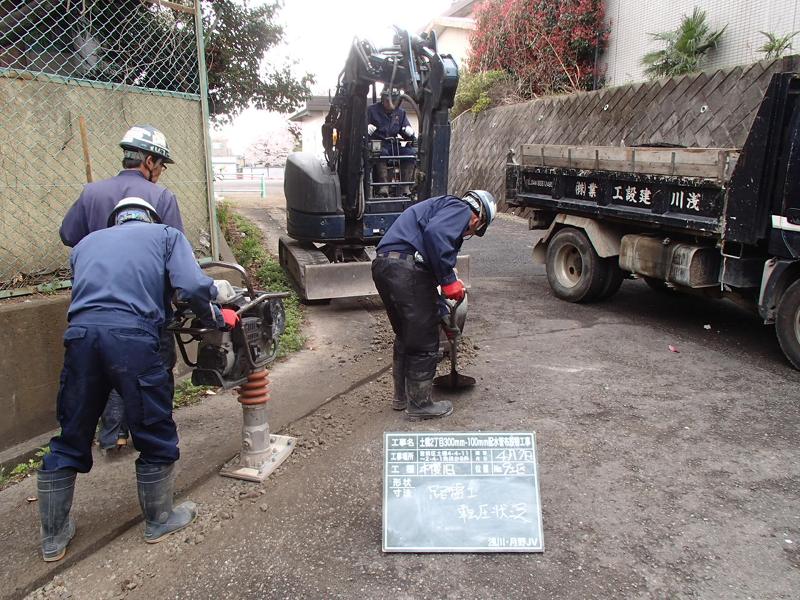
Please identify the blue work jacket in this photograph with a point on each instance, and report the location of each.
(124, 276)
(97, 200)
(435, 228)
(388, 125)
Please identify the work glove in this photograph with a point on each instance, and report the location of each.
(371, 129)
(454, 291)
(230, 317)
(408, 131)
(225, 291)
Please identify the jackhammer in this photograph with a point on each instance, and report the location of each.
(237, 359)
(453, 328)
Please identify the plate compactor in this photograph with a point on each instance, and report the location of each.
(238, 358)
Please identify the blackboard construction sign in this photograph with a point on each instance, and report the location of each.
(461, 492)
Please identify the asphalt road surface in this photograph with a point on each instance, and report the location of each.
(662, 474)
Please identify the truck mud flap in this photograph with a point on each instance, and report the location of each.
(605, 239)
(318, 279)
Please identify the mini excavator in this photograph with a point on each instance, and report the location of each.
(334, 212)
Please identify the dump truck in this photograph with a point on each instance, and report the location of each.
(722, 222)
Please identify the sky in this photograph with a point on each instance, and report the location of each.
(318, 35)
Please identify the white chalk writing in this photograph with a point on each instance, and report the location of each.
(517, 511)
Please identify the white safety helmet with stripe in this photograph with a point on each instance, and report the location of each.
(482, 204)
(133, 209)
(147, 139)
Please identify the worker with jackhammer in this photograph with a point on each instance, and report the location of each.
(416, 254)
(123, 279)
(146, 155)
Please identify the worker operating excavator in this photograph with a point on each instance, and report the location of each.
(389, 123)
(337, 209)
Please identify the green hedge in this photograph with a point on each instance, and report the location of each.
(478, 91)
(247, 244)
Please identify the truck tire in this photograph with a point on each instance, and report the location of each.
(787, 324)
(613, 278)
(574, 270)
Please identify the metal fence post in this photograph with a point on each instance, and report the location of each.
(203, 77)
(263, 187)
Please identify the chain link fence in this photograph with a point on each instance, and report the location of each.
(69, 67)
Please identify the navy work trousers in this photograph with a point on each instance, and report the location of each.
(112, 424)
(98, 359)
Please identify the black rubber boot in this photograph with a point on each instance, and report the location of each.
(420, 406)
(382, 176)
(55, 501)
(155, 484)
(399, 375)
(406, 174)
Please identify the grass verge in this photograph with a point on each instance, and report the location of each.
(187, 394)
(23, 469)
(247, 244)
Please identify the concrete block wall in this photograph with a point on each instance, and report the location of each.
(30, 365)
(708, 109)
(31, 361)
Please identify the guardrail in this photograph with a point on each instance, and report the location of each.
(247, 183)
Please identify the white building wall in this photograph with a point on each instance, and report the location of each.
(630, 22)
(224, 165)
(312, 133)
(456, 42)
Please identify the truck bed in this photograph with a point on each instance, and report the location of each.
(707, 163)
(674, 188)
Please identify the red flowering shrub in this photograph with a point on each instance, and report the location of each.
(550, 46)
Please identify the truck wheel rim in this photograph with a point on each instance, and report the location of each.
(569, 266)
(797, 324)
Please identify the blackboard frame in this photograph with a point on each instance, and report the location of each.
(501, 438)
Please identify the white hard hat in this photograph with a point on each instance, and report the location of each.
(146, 138)
(129, 203)
(484, 205)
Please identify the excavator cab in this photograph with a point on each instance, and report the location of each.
(392, 174)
